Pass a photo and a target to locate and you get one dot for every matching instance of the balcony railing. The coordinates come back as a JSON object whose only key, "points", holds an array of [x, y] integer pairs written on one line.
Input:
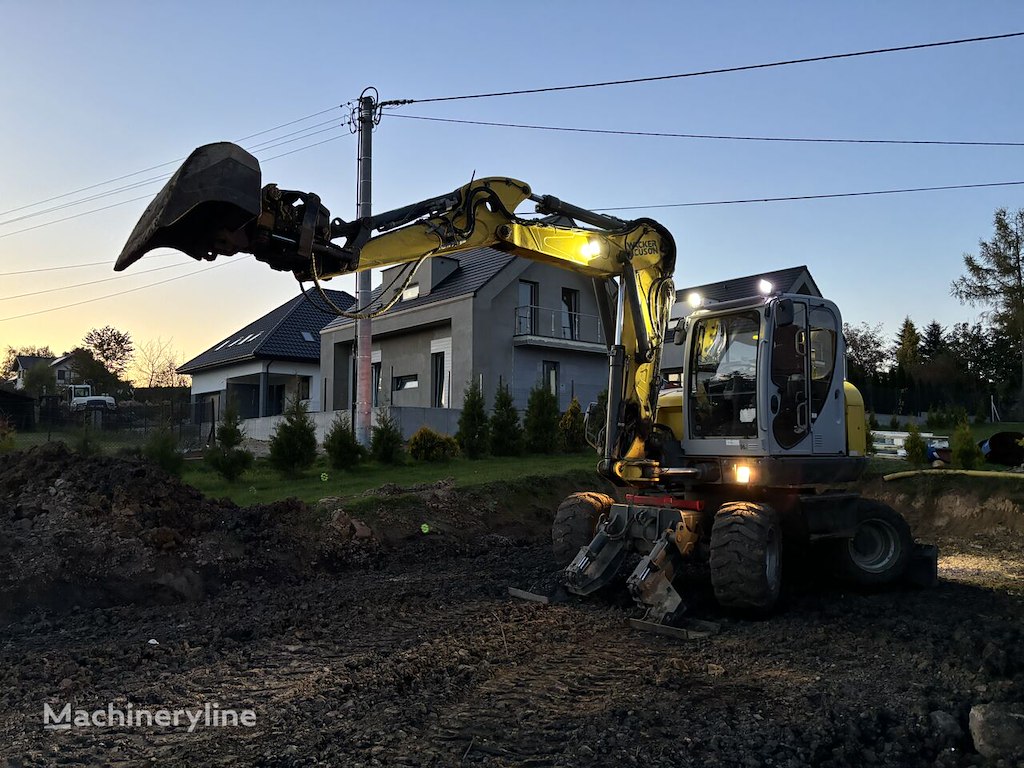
{"points": [[551, 323]]}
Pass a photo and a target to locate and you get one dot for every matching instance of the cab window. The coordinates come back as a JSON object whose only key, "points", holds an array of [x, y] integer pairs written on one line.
{"points": [[823, 357], [723, 376]]}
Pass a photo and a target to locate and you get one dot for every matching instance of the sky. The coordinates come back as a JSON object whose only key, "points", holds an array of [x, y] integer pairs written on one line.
{"points": [[93, 91]]}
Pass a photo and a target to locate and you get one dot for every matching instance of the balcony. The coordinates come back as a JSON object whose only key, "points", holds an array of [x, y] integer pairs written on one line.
{"points": [[558, 329]]}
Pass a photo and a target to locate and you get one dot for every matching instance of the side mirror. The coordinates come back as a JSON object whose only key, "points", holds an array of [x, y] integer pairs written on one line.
{"points": [[784, 313], [679, 335]]}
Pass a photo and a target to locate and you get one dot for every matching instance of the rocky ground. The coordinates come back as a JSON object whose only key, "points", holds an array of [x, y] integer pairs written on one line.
{"points": [[406, 650]]}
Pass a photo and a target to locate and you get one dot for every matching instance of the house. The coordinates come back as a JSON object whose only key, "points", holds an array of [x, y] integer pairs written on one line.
{"points": [[266, 363], [789, 280], [24, 363], [62, 370], [482, 315]]}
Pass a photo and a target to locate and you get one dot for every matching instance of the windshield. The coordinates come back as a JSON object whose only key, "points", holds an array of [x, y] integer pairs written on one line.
{"points": [[723, 376]]}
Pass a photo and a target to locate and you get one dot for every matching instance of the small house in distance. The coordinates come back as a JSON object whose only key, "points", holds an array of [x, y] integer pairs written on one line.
{"points": [[61, 367], [268, 362]]}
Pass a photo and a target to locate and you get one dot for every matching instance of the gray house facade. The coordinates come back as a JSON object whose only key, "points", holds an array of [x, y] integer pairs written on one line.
{"points": [[483, 315]]}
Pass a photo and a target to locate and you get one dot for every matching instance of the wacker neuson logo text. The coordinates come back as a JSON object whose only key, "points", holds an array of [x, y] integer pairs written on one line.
{"points": [[128, 716]]}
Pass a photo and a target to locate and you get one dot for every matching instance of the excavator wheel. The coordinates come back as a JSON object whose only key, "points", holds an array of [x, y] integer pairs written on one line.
{"points": [[746, 557], [575, 523], [879, 551]]}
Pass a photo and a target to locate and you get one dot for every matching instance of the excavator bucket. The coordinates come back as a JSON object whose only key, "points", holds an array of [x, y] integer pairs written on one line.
{"points": [[202, 209]]}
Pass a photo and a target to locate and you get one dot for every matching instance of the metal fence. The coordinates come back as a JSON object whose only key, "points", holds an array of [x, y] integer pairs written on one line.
{"points": [[558, 324], [125, 428]]}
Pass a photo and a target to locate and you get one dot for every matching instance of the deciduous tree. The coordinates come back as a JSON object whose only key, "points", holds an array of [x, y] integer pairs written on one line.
{"points": [[40, 380], [111, 347], [156, 365], [88, 370], [7, 366]]}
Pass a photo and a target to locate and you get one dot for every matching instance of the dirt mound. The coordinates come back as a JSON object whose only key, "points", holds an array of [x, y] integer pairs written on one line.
{"points": [[93, 531], [520, 510], [951, 505]]}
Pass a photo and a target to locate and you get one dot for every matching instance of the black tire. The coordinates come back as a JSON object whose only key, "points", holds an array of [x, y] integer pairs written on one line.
{"points": [[746, 557], [878, 553], [575, 522]]}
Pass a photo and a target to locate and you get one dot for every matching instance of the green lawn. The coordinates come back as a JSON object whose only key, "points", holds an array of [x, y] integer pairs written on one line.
{"points": [[109, 441], [261, 484]]}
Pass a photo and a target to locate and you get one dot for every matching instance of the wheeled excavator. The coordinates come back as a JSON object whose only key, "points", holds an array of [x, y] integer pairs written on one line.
{"points": [[726, 469]]}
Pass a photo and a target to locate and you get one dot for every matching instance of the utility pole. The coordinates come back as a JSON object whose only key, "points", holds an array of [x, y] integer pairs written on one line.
{"points": [[364, 336]]}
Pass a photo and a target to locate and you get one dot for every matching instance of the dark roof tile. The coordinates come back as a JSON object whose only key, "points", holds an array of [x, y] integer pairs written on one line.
{"points": [[476, 268], [743, 287], [279, 334], [26, 362]]}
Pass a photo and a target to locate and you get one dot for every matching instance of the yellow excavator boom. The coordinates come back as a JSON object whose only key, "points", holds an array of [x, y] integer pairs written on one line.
{"points": [[214, 206]]}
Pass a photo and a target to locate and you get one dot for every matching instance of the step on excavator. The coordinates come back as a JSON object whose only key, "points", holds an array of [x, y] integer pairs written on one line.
{"points": [[727, 468]]}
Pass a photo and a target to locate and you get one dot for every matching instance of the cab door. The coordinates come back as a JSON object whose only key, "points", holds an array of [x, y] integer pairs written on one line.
{"points": [[789, 404], [828, 401]]}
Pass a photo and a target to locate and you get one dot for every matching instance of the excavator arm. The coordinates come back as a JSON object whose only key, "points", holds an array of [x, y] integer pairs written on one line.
{"points": [[214, 206]]}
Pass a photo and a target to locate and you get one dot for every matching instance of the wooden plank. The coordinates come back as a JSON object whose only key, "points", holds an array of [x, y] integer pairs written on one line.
{"points": [[533, 597], [691, 629]]}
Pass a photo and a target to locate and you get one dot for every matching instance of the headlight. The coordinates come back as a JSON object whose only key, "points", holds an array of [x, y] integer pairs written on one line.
{"points": [[742, 474]]}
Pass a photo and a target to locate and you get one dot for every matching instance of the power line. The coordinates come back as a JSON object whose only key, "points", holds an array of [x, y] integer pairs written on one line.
{"points": [[665, 134], [737, 201], [90, 282], [77, 266], [302, 149], [296, 120], [152, 181], [621, 208], [271, 144], [813, 197], [163, 165], [122, 293], [75, 216], [701, 73]]}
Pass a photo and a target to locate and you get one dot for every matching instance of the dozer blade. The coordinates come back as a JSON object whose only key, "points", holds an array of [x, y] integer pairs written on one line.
{"points": [[202, 208]]}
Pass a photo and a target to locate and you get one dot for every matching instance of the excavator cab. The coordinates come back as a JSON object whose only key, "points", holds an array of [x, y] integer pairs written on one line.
{"points": [[764, 388]]}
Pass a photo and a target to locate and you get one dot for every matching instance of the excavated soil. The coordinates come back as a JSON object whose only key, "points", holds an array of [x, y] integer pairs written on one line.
{"points": [[398, 648]]}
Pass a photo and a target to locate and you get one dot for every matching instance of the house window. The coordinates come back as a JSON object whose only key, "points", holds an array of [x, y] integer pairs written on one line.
{"points": [[437, 380], [570, 313], [61, 374], [375, 384], [551, 377], [303, 387], [526, 312], [402, 383]]}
